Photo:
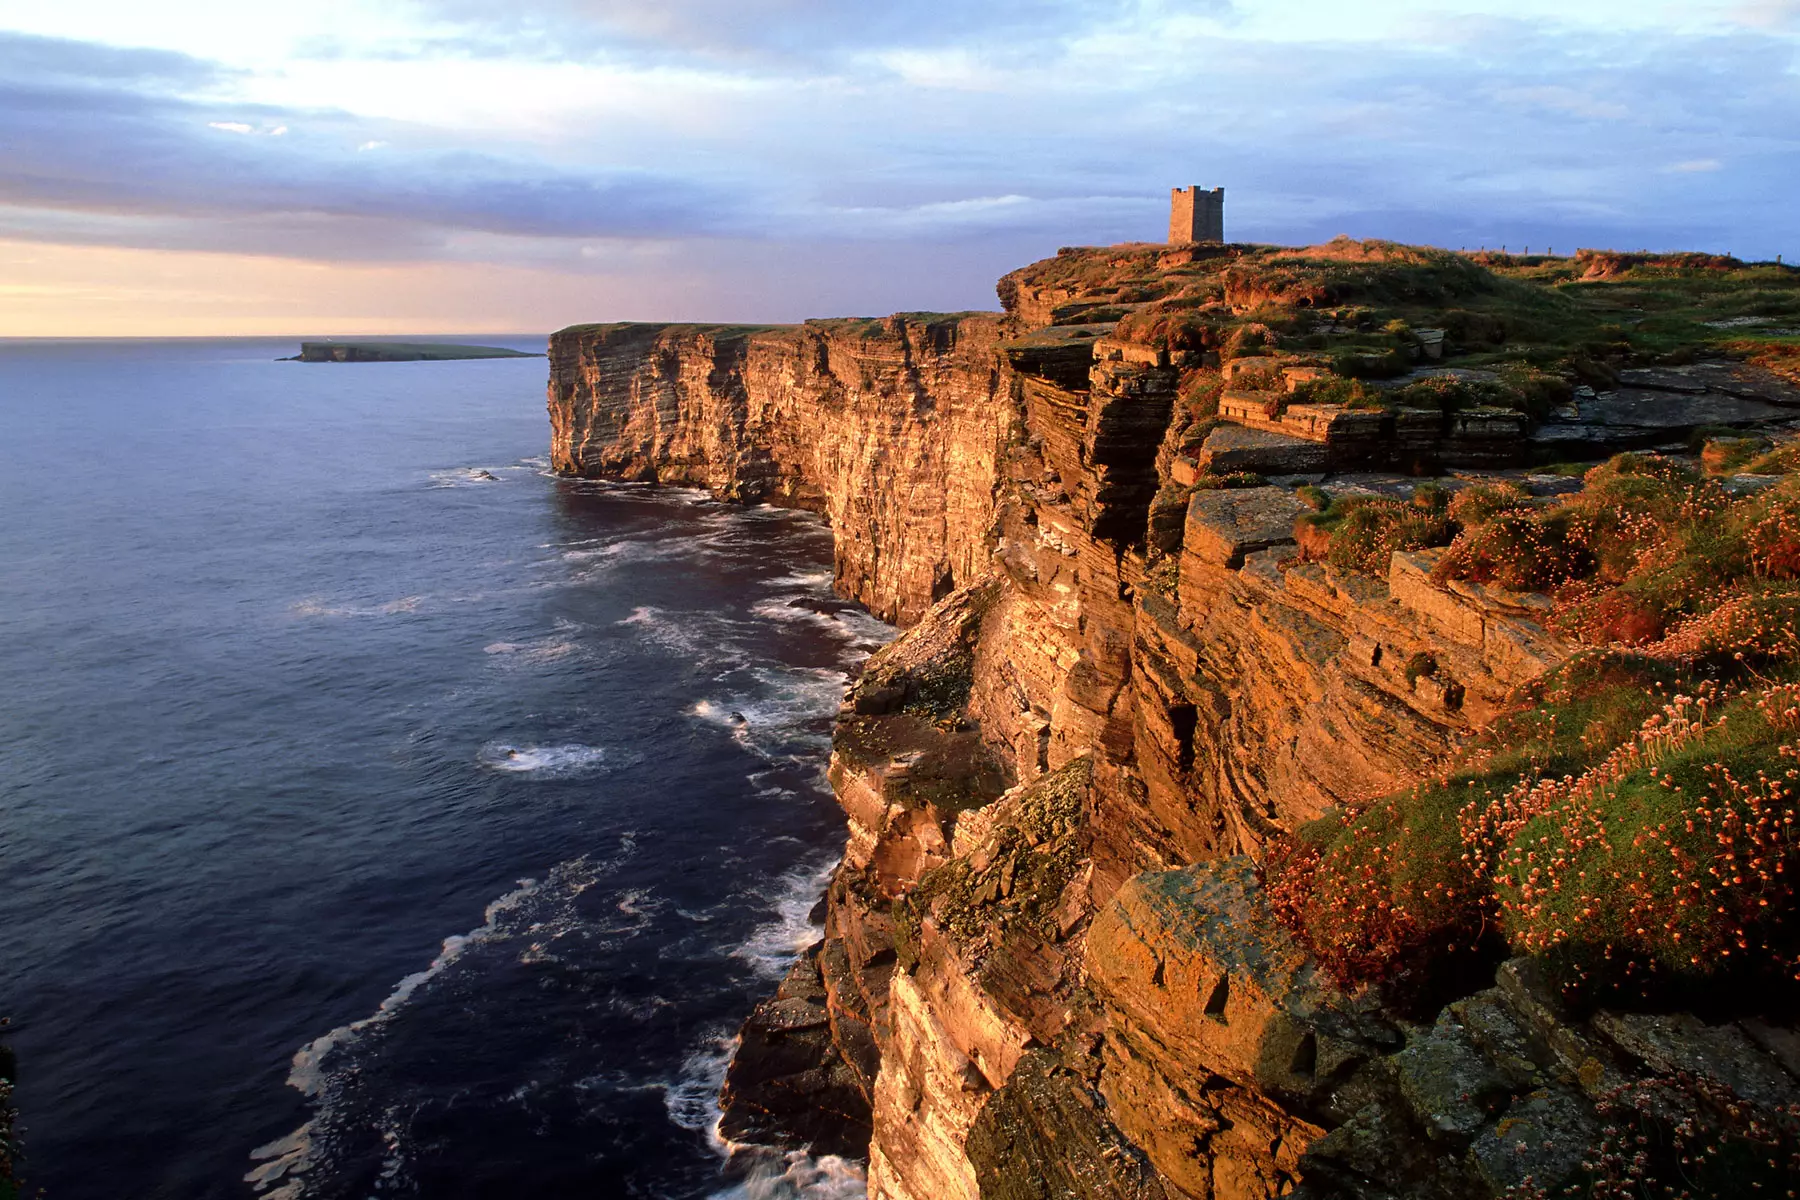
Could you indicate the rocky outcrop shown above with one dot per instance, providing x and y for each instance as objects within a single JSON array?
[
  {"x": 1047, "y": 967},
  {"x": 891, "y": 428}
]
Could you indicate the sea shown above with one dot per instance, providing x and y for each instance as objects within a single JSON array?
[{"x": 382, "y": 815}]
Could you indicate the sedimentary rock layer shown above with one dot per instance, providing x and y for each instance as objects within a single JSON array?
[
  {"x": 1047, "y": 968},
  {"x": 1166, "y": 717},
  {"x": 891, "y": 428}
]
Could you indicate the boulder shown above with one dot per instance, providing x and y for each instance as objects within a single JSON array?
[
  {"x": 1543, "y": 1138},
  {"x": 1223, "y": 526},
  {"x": 1448, "y": 1083},
  {"x": 1239, "y": 448},
  {"x": 1681, "y": 1042}
]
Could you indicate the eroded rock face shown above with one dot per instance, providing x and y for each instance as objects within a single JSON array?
[
  {"x": 891, "y": 428},
  {"x": 1163, "y": 725},
  {"x": 1047, "y": 969}
]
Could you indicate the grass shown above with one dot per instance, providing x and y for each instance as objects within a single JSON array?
[
  {"x": 1781, "y": 354},
  {"x": 1648, "y": 547},
  {"x": 1362, "y": 533},
  {"x": 1607, "y": 819},
  {"x": 1544, "y": 324},
  {"x": 950, "y": 771},
  {"x": 1634, "y": 820},
  {"x": 348, "y": 351}
]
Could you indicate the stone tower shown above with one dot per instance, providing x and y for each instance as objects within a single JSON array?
[{"x": 1196, "y": 216}]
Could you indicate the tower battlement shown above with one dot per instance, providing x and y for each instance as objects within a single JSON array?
[{"x": 1196, "y": 215}]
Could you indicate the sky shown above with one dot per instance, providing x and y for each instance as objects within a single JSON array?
[{"x": 204, "y": 167}]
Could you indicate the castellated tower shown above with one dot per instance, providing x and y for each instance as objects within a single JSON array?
[{"x": 1196, "y": 216}]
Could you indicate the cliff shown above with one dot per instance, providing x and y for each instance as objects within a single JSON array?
[
  {"x": 1080, "y": 942},
  {"x": 10, "y": 1152},
  {"x": 891, "y": 428}
]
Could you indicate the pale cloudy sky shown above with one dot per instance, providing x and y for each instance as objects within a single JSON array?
[{"x": 199, "y": 166}]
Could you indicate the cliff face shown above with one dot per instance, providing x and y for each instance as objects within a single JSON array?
[
  {"x": 890, "y": 428},
  {"x": 1048, "y": 967}
]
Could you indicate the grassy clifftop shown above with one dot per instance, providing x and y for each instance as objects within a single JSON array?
[
  {"x": 1375, "y": 310},
  {"x": 1363, "y": 298},
  {"x": 1633, "y": 819}
]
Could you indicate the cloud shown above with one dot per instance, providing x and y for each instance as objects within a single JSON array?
[
  {"x": 114, "y": 159},
  {"x": 1769, "y": 14},
  {"x": 978, "y": 138},
  {"x": 24, "y": 57},
  {"x": 1568, "y": 100},
  {"x": 815, "y": 31}
]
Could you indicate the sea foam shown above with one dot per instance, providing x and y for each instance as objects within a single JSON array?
[{"x": 544, "y": 762}]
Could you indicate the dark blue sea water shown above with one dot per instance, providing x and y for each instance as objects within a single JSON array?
[{"x": 379, "y": 815}]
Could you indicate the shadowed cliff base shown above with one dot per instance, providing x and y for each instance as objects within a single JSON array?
[
  {"x": 1319, "y": 762},
  {"x": 11, "y": 1152}
]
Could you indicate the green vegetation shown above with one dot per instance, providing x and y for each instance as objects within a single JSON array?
[
  {"x": 400, "y": 352},
  {"x": 1780, "y": 354},
  {"x": 949, "y": 769},
  {"x": 1036, "y": 850},
  {"x": 1634, "y": 819},
  {"x": 1231, "y": 479},
  {"x": 1163, "y": 577},
  {"x": 1684, "y": 1138},
  {"x": 1361, "y": 533},
  {"x": 1372, "y": 311},
  {"x": 1727, "y": 452}
]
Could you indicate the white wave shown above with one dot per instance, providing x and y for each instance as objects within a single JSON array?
[
  {"x": 773, "y": 946},
  {"x": 279, "y": 1158},
  {"x": 311, "y": 1072},
  {"x": 792, "y": 612},
  {"x": 725, "y": 717},
  {"x": 657, "y": 627},
  {"x": 542, "y": 909},
  {"x": 792, "y": 698},
  {"x": 318, "y": 607},
  {"x": 860, "y": 632},
  {"x": 552, "y": 648},
  {"x": 308, "y": 1074},
  {"x": 818, "y": 581},
  {"x": 629, "y": 550},
  {"x": 547, "y": 762},
  {"x": 533, "y": 653},
  {"x": 692, "y": 1098},
  {"x": 868, "y": 628},
  {"x": 638, "y": 904},
  {"x": 797, "y": 1175},
  {"x": 708, "y": 640},
  {"x": 465, "y": 477}
]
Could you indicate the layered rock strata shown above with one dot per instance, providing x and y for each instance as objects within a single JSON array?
[
  {"x": 1027, "y": 987},
  {"x": 891, "y": 428}
]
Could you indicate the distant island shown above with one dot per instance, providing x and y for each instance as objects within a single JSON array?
[{"x": 398, "y": 352}]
